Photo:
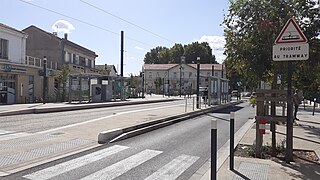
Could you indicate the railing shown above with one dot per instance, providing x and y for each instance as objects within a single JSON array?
[{"x": 38, "y": 62}]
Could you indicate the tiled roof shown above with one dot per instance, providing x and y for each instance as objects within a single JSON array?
[
  {"x": 159, "y": 66},
  {"x": 169, "y": 66},
  {"x": 109, "y": 67}
]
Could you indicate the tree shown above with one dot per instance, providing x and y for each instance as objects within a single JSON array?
[
  {"x": 158, "y": 82},
  {"x": 251, "y": 28},
  {"x": 176, "y": 52},
  {"x": 163, "y": 55},
  {"x": 62, "y": 78}
]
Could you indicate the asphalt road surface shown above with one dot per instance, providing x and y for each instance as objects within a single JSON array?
[{"x": 172, "y": 152}]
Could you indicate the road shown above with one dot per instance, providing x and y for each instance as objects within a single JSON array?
[
  {"x": 33, "y": 123},
  {"x": 173, "y": 152}
]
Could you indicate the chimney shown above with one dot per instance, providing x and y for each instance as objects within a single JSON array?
[
  {"x": 65, "y": 36},
  {"x": 55, "y": 33}
]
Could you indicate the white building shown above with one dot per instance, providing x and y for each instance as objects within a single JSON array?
[
  {"x": 12, "y": 45},
  {"x": 164, "y": 78}
]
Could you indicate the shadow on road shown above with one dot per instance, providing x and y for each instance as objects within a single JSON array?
[{"x": 228, "y": 110}]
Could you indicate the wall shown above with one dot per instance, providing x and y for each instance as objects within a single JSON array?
[{"x": 17, "y": 44}]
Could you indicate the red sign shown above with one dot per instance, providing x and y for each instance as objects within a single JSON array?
[
  {"x": 291, "y": 33},
  {"x": 262, "y": 126}
]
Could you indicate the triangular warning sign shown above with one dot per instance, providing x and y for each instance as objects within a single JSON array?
[{"x": 291, "y": 33}]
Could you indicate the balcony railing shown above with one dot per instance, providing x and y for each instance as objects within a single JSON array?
[{"x": 38, "y": 62}]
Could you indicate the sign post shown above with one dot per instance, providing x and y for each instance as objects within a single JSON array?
[{"x": 290, "y": 45}]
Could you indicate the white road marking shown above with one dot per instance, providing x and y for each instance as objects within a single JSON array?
[
  {"x": 123, "y": 166},
  {"x": 75, "y": 163},
  {"x": 173, "y": 169}
]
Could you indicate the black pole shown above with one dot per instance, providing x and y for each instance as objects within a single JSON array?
[
  {"x": 180, "y": 82},
  {"x": 121, "y": 54},
  {"x": 231, "y": 141},
  {"x": 198, "y": 81},
  {"x": 289, "y": 135},
  {"x": 142, "y": 84},
  {"x": 163, "y": 86},
  {"x": 214, "y": 149},
  {"x": 44, "y": 80},
  {"x": 314, "y": 106}
]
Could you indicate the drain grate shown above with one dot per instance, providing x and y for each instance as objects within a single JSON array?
[
  {"x": 40, "y": 152},
  {"x": 252, "y": 171}
]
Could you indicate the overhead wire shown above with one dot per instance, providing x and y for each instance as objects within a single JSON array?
[
  {"x": 84, "y": 22},
  {"x": 131, "y": 23}
]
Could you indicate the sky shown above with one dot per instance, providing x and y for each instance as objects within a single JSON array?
[{"x": 97, "y": 25}]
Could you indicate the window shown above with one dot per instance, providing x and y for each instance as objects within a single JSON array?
[
  {"x": 74, "y": 59},
  {"x": 70, "y": 58},
  {"x": 158, "y": 75},
  {"x": 82, "y": 61},
  {"x": 174, "y": 75},
  {"x": 150, "y": 75},
  {"x": 3, "y": 48},
  {"x": 89, "y": 63},
  {"x": 190, "y": 74},
  {"x": 216, "y": 74}
]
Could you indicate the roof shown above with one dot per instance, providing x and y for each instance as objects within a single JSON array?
[
  {"x": 12, "y": 29},
  {"x": 158, "y": 66},
  {"x": 169, "y": 66},
  {"x": 70, "y": 43},
  {"x": 109, "y": 67}
]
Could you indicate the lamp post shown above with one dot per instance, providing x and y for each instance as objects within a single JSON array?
[
  {"x": 198, "y": 81},
  {"x": 181, "y": 61},
  {"x": 44, "y": 80}
]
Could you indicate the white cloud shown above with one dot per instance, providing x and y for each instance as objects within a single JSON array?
[
  {"x": 217, "y": 44},
  {"x": 62, "y": 26},
  {"x": 139, "y": 48}
]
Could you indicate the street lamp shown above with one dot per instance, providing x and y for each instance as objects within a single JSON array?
[
  {"x": 198, "y": 82},
  {"x": 181, "y": 61}
]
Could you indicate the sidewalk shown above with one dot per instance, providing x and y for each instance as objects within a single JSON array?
[{"x": 306, "y": 134}]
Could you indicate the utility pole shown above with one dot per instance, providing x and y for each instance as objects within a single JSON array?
[{"x": 198, "y": 82}]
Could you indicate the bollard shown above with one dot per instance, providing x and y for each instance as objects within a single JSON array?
[
  {"x": 231, "y": 141},
  {"x": 314, "y": 106},
  {"x": 213, "y": 149},
  {"x": 185, "y": 109}
]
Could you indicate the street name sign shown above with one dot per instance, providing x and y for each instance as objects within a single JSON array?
[{"x": 291, "y": 44}]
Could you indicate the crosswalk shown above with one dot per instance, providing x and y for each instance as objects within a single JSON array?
[{"x": 169, "y": 171}]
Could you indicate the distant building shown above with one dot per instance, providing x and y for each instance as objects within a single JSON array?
[
  {"x": 169, "y": 76},
  {"x": 109, "y": 70}
]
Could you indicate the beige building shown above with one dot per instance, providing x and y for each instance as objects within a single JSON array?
[
  {"x": 20, "y": 81},
  {"x": 164, "y": 78}
]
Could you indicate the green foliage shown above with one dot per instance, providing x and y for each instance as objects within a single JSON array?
[
  {"x": 251, "y": 28},
  {"x": 163, "y": 55},
  {"x": 62, "y": 78}
]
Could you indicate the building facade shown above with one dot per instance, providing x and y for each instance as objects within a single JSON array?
[
  {"x": 20, "y": 81},
  {"x": 168, "y": 78},
  {"x": 60, "y": 50}
]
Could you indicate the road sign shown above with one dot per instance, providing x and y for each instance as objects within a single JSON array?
[
  {"x": 291, "y": 44},
  {"x": 291, "y": 33},
  {"x": 291, "y": 52}
]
